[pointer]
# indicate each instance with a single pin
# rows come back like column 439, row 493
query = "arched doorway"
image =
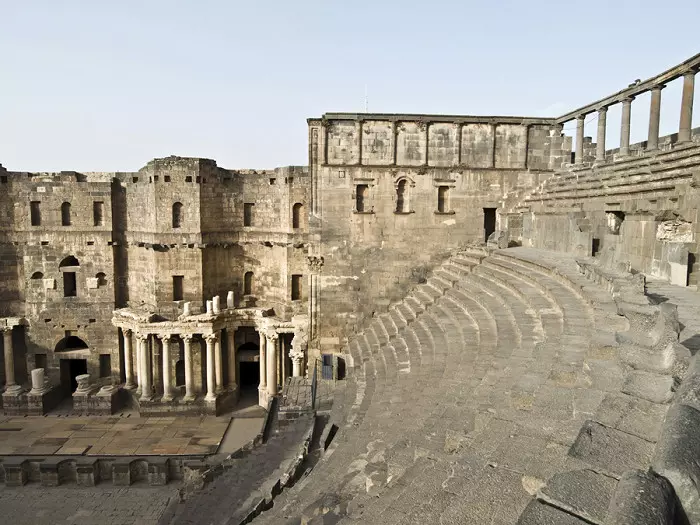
column 248, row 356
column 72, row 353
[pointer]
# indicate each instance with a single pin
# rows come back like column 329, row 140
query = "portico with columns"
column 203, row 348
column 654, row 86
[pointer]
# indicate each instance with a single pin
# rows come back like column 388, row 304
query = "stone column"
column 155, row 364
column 625, row 127
column 283, row 353
column 189, row 375
column 211, row 380
column 218, row 370
column 272, row 364
column 299, row 347
column 600, row 144
column 138, row 372
column 580, row 121
column 654, row 116
column 129, row 369
column 145, row 383
column 686, row 122
column 10, row 385
column 231, row 340
column 263, row 361
column 165, row 340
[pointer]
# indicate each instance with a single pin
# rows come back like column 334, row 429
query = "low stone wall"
column 87, row 471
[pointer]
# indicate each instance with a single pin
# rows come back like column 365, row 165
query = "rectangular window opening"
column 443, row 194
column 296, row 287
column 70, row 288
column 35, row 213
column 105, row 365
column 248, row 214
column 97, row 212
column 361, row 194
column 178, row 287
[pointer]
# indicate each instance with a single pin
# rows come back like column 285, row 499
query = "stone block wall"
column 129, row 248
column 373, row 256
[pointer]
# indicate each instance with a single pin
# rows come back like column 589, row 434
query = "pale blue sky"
column 102, row 86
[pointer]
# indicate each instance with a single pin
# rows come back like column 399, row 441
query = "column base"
column 210, row 397
column 13, row 390
column 130, row 386
column 189, row 398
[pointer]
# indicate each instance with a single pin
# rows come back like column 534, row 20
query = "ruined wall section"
column 267, row 245
column 373, row 255
column 641, row 211
column 60, row 223
column 158, row 249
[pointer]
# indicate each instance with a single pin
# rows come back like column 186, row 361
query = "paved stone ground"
column 36, row 505
column 473, row 393
column 100, row 435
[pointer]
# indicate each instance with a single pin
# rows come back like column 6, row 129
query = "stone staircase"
column 476, row 393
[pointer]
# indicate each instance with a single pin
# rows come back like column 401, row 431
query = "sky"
column 102, row 85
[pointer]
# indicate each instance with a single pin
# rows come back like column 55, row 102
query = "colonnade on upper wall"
column 687, row 70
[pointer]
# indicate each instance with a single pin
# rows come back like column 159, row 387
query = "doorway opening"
column 248, row 366
column 489, row 222
column 70, row 369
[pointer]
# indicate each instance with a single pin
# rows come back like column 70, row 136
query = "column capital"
column 658, row 87
column 628, row 99
column 141, row 336
column 127, row 331
column 187, row 337
column 165, row 338
column 272, row 336
column 6, row 329
column 212, row 338
column 602, row 109
column 581, row 117
column 315, row 263
column 691, row 72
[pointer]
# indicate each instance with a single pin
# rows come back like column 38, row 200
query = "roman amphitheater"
column 441, row 319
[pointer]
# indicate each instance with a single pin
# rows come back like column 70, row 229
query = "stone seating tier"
column 481, row 394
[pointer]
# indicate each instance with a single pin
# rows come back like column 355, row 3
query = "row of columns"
column 684, row 128
column 270, row 346
column 143, row 378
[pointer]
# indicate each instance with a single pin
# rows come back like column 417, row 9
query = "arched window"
column 36, row 276
column 401, row 200
column 65, row 214
column 296, row 214
column 101, row 279
column 68, row 268
column 248, row 283
column 177, row 215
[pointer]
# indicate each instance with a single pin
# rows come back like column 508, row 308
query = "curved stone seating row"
column 648, row 176
column 473, row 393
column 639, row 497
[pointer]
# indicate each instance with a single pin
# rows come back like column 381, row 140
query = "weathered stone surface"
column 652, row 387
column 538, row 513
column 642, row 498
column 611, row 450
column 583, row 493
column 676, row 456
